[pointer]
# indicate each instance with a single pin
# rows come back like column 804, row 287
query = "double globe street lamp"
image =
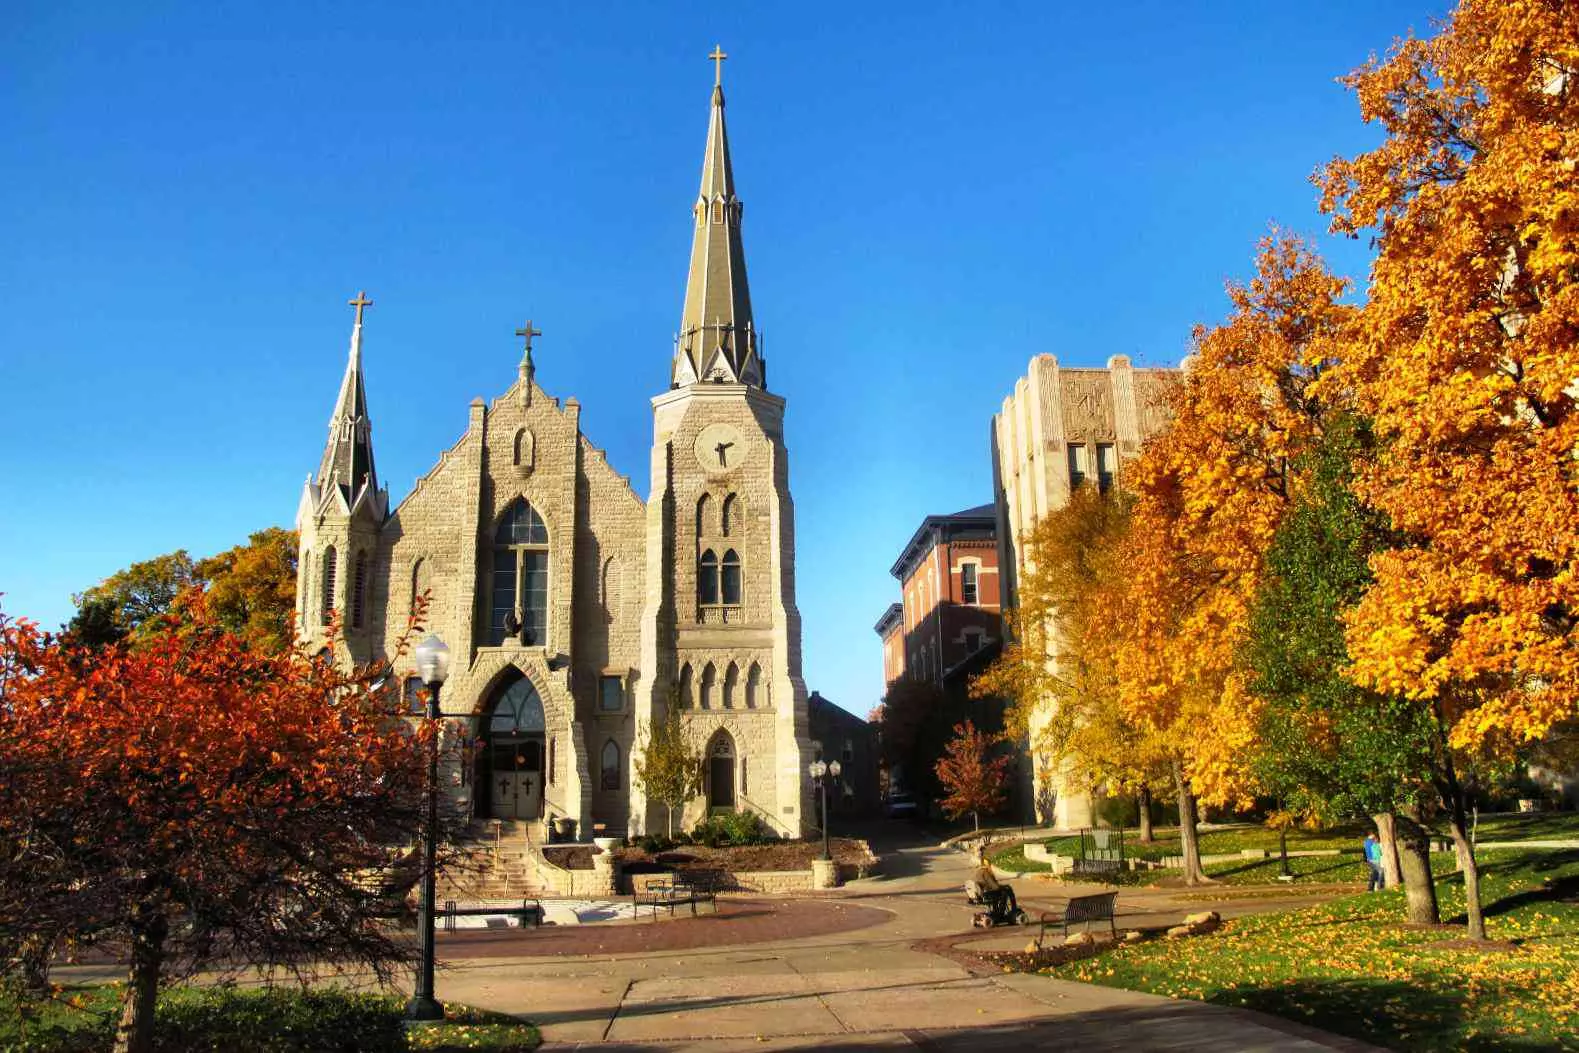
column 433, row 667
column 822, row 772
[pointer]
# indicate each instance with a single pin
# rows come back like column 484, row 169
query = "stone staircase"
column 491, row 867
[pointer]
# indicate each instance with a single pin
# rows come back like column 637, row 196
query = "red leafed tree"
column 973, row 779
column 194, row 801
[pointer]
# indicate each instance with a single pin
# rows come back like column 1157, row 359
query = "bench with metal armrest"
column 1082, row 910
column 529, row 910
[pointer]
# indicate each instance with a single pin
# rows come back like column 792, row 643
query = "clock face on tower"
column 719, row 448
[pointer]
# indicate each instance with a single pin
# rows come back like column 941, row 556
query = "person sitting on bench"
column 998, row 897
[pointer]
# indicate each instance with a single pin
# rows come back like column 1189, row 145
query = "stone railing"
column 720, row 616
column 600, row 882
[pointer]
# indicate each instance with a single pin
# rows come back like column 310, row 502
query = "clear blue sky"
column 934, row 193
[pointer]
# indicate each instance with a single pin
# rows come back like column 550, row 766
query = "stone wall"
column 769, row 882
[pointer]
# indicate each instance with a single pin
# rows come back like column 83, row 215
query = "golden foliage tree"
column 1210, row 493
column 1466, row 361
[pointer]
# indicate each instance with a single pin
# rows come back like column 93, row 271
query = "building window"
column 731, row 685
column 731, row 576
column 687, row 700
column 358, row 589
column 704, row 512
column 975, row 640
column 413, row 697
column 1077, row 465
column 611, row 766
column 1106, row 466
column 754, row 686
column 611, row 694
column 728, row 515
column 707, row 580
column 849, row 752
column 967, row 583
column 519, row 605
column 328, row 576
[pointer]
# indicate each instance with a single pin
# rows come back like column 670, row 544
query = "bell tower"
column 721, row 635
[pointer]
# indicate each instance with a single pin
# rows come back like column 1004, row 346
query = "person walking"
column 1373, row 859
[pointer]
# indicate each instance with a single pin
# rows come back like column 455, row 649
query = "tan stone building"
column 574, row 610
column 1063, row 428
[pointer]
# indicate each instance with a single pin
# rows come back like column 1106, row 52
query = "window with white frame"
column 1077, row 465
column 967, row 583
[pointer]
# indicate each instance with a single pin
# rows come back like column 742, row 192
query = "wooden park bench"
column 1082, row 909
column 529, row 910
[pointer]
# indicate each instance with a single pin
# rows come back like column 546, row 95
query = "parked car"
column 902, row 806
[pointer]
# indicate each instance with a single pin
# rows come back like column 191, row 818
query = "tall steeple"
column 347, row 464
column 717, row 339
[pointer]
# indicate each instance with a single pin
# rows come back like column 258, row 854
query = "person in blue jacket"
column 1373, row 859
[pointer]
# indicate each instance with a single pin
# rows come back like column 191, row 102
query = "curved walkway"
column 848, row 988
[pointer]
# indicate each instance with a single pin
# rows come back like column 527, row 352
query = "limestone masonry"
column 576, row 612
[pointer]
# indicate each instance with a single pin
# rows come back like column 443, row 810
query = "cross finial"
column 718, row 57
column 528, row 332
column 359, row 303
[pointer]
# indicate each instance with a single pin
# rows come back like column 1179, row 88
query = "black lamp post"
column 433, row 666
column 822, row 773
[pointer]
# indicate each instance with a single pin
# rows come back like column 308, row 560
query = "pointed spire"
column 717, row 337
column 348, row 456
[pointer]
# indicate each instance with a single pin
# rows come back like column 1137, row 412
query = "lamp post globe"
column 433, row 666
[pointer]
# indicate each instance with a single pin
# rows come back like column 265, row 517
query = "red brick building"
column 949, row 609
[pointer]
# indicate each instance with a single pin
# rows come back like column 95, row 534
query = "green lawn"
column 1313, row 869
column 1536, row 826
column 1350, row 966
column 190, row 1019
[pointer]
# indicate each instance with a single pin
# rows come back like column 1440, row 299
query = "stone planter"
column 824, row 873
column 606, row 844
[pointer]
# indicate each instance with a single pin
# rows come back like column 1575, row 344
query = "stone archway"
column 722, row 792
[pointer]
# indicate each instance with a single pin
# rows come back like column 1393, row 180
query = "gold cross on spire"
column 528, row 333
column 718, row 57
column 360, row 302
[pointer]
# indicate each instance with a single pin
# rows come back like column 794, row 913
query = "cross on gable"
column 359, row 303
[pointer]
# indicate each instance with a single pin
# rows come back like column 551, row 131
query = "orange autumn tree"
column 1210, row 493
column 195, row 800
column 1466, row 362
column 973, row 780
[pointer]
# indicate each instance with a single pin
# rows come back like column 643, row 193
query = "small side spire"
column 718, row 340
column 347, row 464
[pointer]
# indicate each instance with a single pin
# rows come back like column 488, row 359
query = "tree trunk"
column 1387, row 833
column 976, row 821
column 1475, row 921
column 1414, row 859
column 1143, row 800
column 135, row 1032
column 1193, row 873
column 670, row 808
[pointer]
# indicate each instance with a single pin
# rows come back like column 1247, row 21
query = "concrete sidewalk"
column 864, row 989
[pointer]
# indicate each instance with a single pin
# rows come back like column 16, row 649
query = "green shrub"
column 735, row 828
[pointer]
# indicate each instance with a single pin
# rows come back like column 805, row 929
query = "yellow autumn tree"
column 1210, row 493
column 1466, row 361
column 1056, row 672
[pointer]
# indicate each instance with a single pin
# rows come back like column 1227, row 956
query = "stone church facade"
column 575, row 611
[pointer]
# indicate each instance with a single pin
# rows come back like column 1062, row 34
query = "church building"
column 575, row 611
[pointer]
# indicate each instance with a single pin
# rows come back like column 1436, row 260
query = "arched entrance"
column 511, row 761
column 721, row 773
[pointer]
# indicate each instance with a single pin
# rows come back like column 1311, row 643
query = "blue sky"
column 934, row 193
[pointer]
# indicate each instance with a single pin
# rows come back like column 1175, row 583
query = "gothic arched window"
column 707, row 579
column 729, row 513
column 611, row 766
column 326, row 601
column 358, row 590
column 731, row 685
column 731, row 575
column 709, row 679
column 754, row 686
column 518, row 607
column 686, row 699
